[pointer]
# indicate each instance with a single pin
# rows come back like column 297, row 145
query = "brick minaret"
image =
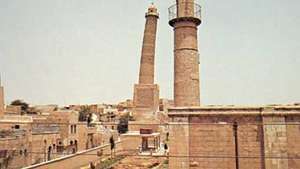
column 1, row 99
column 146, row 93
column 184, row 18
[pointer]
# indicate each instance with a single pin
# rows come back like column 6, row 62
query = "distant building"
column 34, row 138
column 1, row 100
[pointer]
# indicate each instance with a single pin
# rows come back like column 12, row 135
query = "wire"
column 149, row 124
column 179, row 156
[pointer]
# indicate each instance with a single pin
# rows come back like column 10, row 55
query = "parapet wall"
column 76, row 160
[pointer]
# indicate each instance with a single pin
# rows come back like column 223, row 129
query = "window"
column 17, row 126
column 73, row 129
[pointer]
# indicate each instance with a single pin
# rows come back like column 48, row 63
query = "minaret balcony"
column 185, row 11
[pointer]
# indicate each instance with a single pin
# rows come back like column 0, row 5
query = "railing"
column 185, row 9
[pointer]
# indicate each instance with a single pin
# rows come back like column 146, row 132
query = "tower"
column 185, row 17
column 146, row 93
column 1, row 99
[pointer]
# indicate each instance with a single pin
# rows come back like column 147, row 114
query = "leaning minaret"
column 185, row 17
column 146, row 93
column 1, row 99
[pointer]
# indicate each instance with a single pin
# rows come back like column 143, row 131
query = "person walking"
column 92, row 166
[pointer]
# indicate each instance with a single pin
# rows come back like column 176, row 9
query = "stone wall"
column 41, row 143
column 18, row 149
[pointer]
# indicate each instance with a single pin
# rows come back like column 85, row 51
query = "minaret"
column 146, row 75
column 1, row 99
column 185, row 17
column 146, row 93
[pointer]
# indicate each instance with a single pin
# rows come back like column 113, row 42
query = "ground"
column 140, row 162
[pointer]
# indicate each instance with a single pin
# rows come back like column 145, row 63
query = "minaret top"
column 185, row 10
column 152, row 11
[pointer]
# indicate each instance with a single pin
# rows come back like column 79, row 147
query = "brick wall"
column 209, row 144
column 249, row 142
column 146, row 101
column 293, row 140
column 275, row 142
column 179, row 143
column 262, row 138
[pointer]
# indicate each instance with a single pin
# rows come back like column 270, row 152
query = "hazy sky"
column 88, row 51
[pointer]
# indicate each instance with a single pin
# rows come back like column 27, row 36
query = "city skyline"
column 54, row 52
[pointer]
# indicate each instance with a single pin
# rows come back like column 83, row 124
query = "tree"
column 123, row 124
column 83, row 114
column 24, row 105
column 89, row 120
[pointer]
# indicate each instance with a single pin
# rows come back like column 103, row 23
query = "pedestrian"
column 166, row 148
column 89, row 119
column 92, row 166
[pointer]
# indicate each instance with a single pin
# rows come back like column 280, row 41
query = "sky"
column 84, row 52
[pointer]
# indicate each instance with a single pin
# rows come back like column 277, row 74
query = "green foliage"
column 123, row 124
column 24, row 105
column 110, row 162
column 83, row 114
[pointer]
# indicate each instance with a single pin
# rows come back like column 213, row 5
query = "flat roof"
column 235, row 110
column 137, row 133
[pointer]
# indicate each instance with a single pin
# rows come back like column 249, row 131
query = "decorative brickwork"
column 186, row 56
column 146, row 93
column 148, row 49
